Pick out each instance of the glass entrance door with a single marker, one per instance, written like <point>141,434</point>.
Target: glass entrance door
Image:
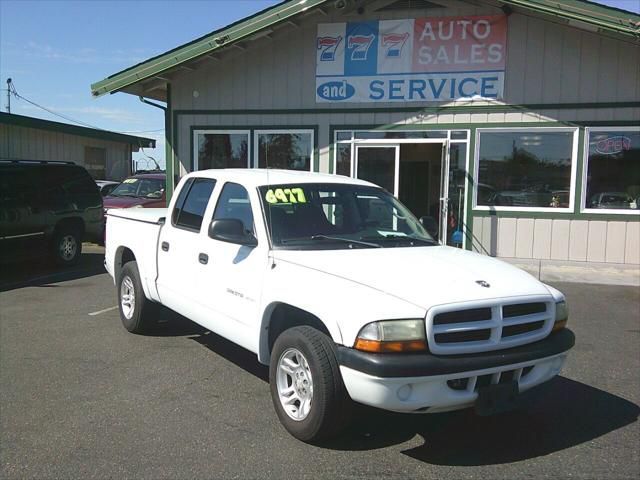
<point>444,195</point>
<point>424,168</point>
<point>378,164</point>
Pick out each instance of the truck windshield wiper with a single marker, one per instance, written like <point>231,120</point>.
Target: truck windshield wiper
<point>401,237</point>
<point>346,240</point>
<point>338,239</point>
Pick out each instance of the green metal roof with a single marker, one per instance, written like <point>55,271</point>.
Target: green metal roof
<point>599,16</point>
<point>204,45</point>
<point>40,124</point>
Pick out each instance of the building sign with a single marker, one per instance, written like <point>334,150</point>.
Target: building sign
<point>414,60</point>
<point>612,145</point>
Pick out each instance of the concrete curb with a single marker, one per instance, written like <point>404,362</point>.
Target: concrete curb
<point>579,272</point>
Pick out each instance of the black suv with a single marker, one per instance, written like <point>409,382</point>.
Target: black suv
<point>47,208</point>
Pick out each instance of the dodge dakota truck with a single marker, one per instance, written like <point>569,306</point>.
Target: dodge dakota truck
<point>335,285</point>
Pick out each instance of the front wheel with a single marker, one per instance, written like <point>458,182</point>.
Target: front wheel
<point>66,247</point>
<point>306,386</point>
<point>136,311</point>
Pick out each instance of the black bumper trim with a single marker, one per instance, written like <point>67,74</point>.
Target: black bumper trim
<point>426,364</point>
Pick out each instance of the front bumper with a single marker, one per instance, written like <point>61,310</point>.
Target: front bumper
<point>425,383</point>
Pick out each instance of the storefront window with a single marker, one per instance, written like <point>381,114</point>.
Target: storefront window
<point>222,149</point>
<point>525,169</point>
<point>395,134</point>
<point>613,169</point>
<point>343,159</point>
<point>291,150</point>
<point>459,135</point>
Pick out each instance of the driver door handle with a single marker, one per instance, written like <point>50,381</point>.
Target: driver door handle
<point>203,258</point>
<point>165,246</point>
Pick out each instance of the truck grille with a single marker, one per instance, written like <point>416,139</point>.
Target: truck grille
<point>489,325</point>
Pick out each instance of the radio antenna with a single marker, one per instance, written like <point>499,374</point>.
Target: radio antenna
<point>269,217</point>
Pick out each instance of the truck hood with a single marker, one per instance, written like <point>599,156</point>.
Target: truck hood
<point>423,276</point>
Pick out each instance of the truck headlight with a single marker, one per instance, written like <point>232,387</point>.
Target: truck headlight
<point>562,316</point>
<point>392,336</point>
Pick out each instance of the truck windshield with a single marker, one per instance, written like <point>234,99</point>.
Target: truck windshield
<point>337,216</point>
<point>139,187</point>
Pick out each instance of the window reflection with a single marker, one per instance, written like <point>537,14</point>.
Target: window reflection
<point>613,169</point>
<point>223,150</point>
<point>525,169</point>
<point>343,159</point>
<point>290,151</point>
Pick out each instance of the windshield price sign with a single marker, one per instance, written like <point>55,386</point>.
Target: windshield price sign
<point>285,195</point>
<point>411,60</point>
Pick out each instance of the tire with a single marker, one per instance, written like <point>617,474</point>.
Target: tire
<point>66,247</point>
<point>306,386</point>
<point>136,311</point>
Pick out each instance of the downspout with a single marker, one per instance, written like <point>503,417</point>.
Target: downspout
<point>169,160</point>
<point>153,104</point>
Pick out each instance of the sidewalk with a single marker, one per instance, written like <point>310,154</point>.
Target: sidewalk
<point>579,272</point>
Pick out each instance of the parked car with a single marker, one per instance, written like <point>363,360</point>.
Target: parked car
<point>611,200</point>
<point>145,190</point>
<point>47,208</point>
<point>140,190</point>
<point>335,285</point>
<point>106,186</point>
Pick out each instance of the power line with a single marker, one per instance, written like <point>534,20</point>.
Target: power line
<point>145,131</point>
<point>15,93</point>
<point>12,90</point>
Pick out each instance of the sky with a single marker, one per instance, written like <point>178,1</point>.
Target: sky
<point>54,51</point>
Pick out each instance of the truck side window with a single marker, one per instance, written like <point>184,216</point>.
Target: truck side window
<point>195,203</point>
<point>180,201</point>
<point>234,203</point>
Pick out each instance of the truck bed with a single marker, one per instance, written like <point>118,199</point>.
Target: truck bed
<point>147,215</point>
<point>138,229</point>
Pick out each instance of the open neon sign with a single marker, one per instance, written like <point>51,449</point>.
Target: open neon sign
<point>613,145</point>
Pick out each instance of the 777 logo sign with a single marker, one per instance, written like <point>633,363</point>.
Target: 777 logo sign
<point>328,45</point>
<point>360,45</point>
<point>393,43</point>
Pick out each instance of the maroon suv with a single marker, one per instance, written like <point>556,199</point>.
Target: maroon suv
<point>145,190</point>
<point>141,190</point>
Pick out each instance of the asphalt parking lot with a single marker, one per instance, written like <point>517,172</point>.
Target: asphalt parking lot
<point>82,398</point>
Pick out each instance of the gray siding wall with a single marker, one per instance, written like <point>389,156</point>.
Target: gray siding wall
<point>23,143</point>
<point>547,63</point>
<point>558,239</point>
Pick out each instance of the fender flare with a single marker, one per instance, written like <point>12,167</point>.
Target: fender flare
<point>263,337</point>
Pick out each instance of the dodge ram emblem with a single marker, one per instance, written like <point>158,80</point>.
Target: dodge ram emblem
<point>482,283</point>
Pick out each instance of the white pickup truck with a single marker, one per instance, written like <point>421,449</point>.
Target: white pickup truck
<point>335,285</point>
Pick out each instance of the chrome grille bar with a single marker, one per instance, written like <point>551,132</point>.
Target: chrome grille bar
<point>489,324</point>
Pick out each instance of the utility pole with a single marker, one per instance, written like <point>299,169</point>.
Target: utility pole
<point>8,95</point>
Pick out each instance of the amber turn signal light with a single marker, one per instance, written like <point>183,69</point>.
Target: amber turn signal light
<point>376,346</point>
<point>559,325</point>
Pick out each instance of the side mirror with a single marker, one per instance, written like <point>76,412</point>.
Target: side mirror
<point>231,230</point>
<point>430,225</point>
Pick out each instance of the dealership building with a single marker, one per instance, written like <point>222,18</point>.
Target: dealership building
<point>514,123</point>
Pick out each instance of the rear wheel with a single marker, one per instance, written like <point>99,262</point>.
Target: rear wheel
<point>66,247</point>
<point>136,311</point>
<point>306,386</point>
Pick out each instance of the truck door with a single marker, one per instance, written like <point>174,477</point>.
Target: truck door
<point>178,263</point>
<point>231,281</point>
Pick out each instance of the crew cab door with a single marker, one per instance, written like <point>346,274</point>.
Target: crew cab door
<point>230,282</point>
<point>178,246</point>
